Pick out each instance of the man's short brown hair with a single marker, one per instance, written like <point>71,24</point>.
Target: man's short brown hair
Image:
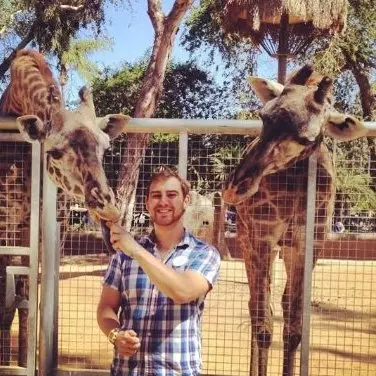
<point>166,172</point>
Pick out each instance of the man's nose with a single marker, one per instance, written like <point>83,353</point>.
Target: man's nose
<point>163,200</point>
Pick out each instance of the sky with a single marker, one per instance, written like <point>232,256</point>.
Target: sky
<point>132,34</point>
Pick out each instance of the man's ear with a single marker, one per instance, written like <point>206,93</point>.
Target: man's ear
<point>31,128</point>
<point>187,200</point>
<point>344,127</point>
<point>113,124</point>
<point>265,90</point>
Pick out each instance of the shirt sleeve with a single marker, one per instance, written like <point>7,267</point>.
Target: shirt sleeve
<point>206,261</point>
<point>112,278</point>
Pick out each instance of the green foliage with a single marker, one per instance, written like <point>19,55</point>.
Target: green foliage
<point>358,41</point>
<point>356,185</point>
<point>220,154</point>
<point>47,25</point>
<point>55,23</point>
<point>353,179</point>
<point>9,10</point>
<point>116,91</point>
<point>234,56</point>
<point>224,160</point>
<point>346,94</point>
<point>203,30</point>
<point>188,92</point>
<point>77,56</point>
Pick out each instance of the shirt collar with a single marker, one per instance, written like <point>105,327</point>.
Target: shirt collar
<point>183,244</point>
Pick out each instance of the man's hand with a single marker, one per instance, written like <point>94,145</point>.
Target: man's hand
<point>127,342</point>
<point>122,240</point>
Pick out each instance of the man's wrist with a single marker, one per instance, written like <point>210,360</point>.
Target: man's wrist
<point>112,335</point>
<point>135,252</point>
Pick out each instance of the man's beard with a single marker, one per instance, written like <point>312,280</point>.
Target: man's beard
<point>176,218</point>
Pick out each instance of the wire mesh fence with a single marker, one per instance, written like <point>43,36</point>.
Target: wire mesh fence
<point>19,201</point>
<point>343,304</point>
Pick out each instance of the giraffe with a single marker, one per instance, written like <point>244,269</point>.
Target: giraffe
<point>74,143</point>
<point>268,189</point>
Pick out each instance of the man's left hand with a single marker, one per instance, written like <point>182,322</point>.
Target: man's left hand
<point>122,240</point>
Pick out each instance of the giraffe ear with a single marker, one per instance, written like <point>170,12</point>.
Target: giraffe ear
<point>31,128</point>
<point>344,127</point>
<point>265,90</point>
<point>114,124</point>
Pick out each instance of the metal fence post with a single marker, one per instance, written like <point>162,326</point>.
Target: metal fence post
<point>48,267</point>
<point>34,256</point>
<point>183,154</point>
<point>308,264</point>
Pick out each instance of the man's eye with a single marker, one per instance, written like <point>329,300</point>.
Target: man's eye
<point>171,195</point>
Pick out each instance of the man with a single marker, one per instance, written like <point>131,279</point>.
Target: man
<point>159,285</point>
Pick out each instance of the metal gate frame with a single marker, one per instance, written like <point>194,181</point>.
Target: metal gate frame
<point>32,252</point>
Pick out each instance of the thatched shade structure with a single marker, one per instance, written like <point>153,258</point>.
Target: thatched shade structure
<point>282,27</point>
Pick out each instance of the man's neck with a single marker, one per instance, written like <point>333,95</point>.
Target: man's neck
<point>168,237</point>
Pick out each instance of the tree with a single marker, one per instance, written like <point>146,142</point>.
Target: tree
<point>48,25</point>
<point>165,29</point>
<point>189,92</point>
<point>355,52</point>
<point>204,36</point>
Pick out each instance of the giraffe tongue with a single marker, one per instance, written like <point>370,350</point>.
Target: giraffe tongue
<point>106,236</point>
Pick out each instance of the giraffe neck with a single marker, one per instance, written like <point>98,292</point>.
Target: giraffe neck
<point>282,199</point>
<point>33,91</point>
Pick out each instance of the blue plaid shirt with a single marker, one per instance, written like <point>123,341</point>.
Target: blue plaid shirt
<point>169,333</point>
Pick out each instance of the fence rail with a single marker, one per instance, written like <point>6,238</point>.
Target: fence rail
<point>197,126</point>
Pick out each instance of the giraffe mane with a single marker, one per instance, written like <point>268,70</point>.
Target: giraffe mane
<point>39,63</point>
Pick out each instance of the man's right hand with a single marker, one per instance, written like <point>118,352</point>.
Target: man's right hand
<point>127,342</point>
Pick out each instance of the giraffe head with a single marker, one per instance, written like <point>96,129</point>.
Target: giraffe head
<point>295,118</point>
<point>74,147</point>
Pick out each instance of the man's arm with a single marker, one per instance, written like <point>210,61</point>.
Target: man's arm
<point>126,341</point>
<point>107,309</point>
<point>181,287</point>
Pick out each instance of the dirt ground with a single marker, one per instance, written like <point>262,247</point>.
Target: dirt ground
<point>343,321</point>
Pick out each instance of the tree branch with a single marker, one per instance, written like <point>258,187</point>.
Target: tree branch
<point>155,14</point>
<point>178,10</point>
<point>4,66</point>
<point>71,7</point>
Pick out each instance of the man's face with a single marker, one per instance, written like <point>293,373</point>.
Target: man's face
<point>165,203</point>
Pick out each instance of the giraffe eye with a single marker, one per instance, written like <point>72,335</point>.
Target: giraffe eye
<point>55,153</point>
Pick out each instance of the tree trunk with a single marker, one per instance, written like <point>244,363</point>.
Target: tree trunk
<point>367,98</point>
<point>165,28</point>
<point>63,79</point>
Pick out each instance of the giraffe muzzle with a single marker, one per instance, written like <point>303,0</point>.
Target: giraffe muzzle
<point>108,213</point>
<point>102,206</point>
